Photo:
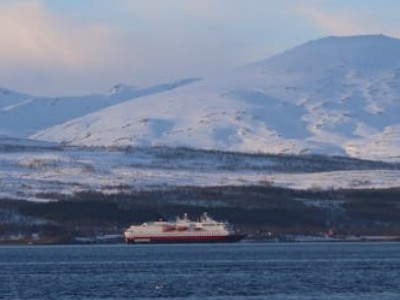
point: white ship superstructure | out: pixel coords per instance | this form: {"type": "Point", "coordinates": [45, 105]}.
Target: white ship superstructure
{"type": "Point", "coordinates": [183, 230]}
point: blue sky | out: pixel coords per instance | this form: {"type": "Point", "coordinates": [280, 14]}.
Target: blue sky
{"type": "Point", "coordinates": [71, 47]}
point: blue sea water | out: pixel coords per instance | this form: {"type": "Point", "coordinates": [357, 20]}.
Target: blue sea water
{"type": "Point", "coordinates": [293, 271]}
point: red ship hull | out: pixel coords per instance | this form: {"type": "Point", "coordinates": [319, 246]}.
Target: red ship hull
{"type": "Point", "coordinates": [184, 239]}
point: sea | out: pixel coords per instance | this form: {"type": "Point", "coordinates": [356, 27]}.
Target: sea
{"type": "Point", "coordinates": [293, 271]}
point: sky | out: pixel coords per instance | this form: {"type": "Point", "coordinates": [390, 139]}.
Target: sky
{"type": "Point", "coordinates": [76, 47]}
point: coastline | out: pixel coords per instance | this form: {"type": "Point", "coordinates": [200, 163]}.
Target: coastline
{"type": "Point", "coordinates": [119, 239]}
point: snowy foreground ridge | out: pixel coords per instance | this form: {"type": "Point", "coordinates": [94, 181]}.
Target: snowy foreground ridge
{"type": "Point", "coordinates": [42, 172]}
{"type": "Point", "coordinates": [336, 96]}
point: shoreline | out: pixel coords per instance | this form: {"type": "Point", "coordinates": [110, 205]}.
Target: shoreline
{"type": "Point", "coordinates": [251, 240]}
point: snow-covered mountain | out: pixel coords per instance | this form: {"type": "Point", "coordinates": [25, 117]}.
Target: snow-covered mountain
{"type": "Point", "coordinates": [337, 95]}
{"type": "Point", "coordinates": [22, 115]}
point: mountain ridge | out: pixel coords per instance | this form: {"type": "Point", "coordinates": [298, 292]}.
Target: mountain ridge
{"type": "Point", "coordinates": [21, 115]}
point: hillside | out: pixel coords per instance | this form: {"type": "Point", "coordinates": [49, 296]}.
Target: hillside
{"type": "Point", "coordinates": [22, 115]}
{"type": "Point", "coordinates": [39, 171]}
{"type": "Point", "coordinates": [260, 211]}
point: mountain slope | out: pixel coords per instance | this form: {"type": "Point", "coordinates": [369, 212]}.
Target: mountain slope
{"type": "Point", "coordinates": [22, 115]}
{"type": "Point", "coordinates": [337, 95]}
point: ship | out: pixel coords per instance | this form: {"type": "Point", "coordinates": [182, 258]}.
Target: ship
{"type": "Point", "coordinates": [183, 230]}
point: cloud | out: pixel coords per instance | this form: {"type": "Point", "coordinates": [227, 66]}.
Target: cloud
{"type": "Point", "coordinates": [336, 21]}
{"type": "Point", "coordinates": [48, 53]}
{"type": "Point", "coordinates": [31, 35]}
{"type": "Point", "coordinates": [333, 23]}
{"type": "Point", "coordinates": [45, 52]}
